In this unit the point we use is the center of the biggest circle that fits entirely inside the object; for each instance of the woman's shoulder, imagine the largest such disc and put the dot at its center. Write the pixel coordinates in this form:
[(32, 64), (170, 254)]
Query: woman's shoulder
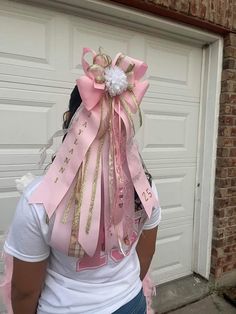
[(27, 214), (28, 234)]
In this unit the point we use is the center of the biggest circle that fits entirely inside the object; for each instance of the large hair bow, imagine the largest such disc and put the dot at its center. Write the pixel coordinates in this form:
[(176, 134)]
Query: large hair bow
[(90, 184)]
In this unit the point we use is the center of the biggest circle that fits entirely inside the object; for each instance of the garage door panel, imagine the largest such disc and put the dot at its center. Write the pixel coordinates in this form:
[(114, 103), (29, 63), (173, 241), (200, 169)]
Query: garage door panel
[(176, 186), (174, 68), (28, 40), (170, 261), (28, 124), (173, 184), (34, 119), (169, 130), (162, 140), (159, 54)]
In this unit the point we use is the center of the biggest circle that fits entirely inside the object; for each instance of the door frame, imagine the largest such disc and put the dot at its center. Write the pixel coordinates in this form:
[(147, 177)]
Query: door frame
[(207, 149), (212, 46)]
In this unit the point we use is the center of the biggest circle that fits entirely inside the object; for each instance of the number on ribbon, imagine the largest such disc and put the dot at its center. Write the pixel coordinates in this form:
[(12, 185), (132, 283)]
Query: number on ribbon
[(147, 195)]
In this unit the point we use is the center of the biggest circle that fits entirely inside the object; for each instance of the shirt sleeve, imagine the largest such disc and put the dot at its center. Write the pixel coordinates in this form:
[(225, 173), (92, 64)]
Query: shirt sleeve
[(155, 218), (25, 239)]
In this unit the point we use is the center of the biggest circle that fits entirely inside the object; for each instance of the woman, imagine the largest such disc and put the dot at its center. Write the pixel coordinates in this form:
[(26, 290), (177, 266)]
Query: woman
[(82, 239)]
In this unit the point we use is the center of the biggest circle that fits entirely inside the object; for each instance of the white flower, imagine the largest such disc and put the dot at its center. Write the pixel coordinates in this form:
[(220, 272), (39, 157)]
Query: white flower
[(24, 181), (115, 80)]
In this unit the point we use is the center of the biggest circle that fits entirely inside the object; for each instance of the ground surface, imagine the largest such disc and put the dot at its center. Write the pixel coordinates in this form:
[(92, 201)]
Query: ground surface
[(212, 304)]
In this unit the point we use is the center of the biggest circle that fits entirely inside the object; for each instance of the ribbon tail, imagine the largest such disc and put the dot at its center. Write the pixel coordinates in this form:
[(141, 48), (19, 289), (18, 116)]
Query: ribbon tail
[(61, 233), (137, 173), (91, 204), (118, 204), (71, 153), (106, 191), (140, 181)]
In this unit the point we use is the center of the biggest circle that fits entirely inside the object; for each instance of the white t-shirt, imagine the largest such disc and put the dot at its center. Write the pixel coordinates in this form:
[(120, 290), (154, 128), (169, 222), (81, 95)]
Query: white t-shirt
[(98, 291)]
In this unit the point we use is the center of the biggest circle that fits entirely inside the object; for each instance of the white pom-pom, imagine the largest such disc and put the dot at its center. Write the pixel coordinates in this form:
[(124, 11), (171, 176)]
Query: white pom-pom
[(116, 81), (22, 183)]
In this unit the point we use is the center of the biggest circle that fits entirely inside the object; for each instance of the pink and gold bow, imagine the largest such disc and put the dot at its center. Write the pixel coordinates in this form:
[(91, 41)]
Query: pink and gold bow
[(90, 184)]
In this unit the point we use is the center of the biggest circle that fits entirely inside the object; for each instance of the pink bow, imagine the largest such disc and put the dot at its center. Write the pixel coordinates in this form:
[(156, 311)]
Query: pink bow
[(98, 163), (93, 82)]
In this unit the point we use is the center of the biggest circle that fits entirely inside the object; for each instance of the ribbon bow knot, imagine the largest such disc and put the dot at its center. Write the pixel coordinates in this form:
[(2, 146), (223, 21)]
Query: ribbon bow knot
[(118, 77)]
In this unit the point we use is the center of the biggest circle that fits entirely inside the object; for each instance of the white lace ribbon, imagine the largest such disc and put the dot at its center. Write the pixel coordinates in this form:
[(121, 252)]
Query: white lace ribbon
[(43, 150)]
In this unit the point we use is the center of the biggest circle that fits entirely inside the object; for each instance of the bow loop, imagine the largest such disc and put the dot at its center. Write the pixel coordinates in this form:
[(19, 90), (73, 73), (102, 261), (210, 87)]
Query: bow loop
[(85, 64), (89, 95), (118, 78)]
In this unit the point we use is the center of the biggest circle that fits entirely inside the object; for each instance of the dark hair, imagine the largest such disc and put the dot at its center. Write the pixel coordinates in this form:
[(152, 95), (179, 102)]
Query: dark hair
[(74, 103)]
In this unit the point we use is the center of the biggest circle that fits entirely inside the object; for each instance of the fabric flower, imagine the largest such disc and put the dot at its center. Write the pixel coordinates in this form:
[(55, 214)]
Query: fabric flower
[(115, 80)]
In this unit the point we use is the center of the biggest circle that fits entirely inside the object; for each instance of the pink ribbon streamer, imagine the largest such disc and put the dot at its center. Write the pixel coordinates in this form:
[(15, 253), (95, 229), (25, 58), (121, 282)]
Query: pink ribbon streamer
[(60, 175)]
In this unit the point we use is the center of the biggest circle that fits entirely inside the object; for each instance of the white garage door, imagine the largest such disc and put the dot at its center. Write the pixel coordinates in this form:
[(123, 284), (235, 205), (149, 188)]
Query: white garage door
[(40, 53)]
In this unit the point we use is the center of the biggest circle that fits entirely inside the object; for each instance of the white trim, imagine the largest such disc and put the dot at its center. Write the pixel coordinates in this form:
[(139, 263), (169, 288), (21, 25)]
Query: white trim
[(120, 15), (212, 66), (208, 133)]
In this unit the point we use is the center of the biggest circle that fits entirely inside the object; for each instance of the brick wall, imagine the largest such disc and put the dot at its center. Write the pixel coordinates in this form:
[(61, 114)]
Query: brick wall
[(219, 12), (214, 15), (224, 228)]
